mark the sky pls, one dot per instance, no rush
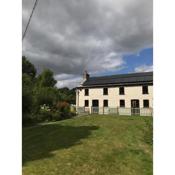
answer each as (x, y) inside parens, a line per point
(104, 37)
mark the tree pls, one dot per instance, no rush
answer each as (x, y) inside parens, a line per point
(39, 92)
(27, 96)
(28, 80)
(47, 96)
(45, 92)
(67, 95)
(46, 79)
(28, 68)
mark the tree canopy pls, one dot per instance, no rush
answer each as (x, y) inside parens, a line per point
(28, 68)
(40, 96)
(46, 79)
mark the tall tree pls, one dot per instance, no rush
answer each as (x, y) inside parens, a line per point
(26, 93)
(28, 68)
(67, 95)
(46, 95)
(46, 79)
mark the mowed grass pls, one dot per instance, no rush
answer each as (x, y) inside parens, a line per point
(91, 145)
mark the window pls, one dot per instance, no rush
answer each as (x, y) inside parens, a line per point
(146, 103)
(122, 103)
(105, 91)
(145, 89)
(86, 103)
(105, 103)
(121, 90)
(86, 92)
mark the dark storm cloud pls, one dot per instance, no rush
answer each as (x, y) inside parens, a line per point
(69, 36)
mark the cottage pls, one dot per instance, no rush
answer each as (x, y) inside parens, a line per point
(122, 94)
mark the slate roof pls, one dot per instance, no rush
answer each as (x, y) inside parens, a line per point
(121, 79)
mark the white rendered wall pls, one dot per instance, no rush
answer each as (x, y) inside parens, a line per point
(113, 97)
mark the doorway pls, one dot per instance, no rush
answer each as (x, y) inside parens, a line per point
(95, 106)
(135, 107)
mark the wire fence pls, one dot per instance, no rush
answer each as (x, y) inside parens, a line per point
(116, 110)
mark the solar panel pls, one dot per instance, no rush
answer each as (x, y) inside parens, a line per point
(120, 78)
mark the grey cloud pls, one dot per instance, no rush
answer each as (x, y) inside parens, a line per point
(67, 80)
(69, 36)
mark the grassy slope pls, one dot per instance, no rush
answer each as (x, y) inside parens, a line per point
(100, 145)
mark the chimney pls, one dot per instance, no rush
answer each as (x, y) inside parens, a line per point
(85, 76)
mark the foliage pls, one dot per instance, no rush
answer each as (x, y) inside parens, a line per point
(67, 95)
(64, 109)
(40, 97)
(45, 107)
(63, 106)
(56, 115)
(27, 96)
(46, 79)
(46, 114)
(28, 68)
(45, 95)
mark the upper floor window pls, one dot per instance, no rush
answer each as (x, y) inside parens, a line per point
(86, 92)
(144, 89)
(86, 103)
(105, 103)
(146, 103)
(122, 103)
(121, 90)
(105, 91)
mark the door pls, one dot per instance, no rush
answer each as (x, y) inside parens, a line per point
(95, 106)
(135, 107)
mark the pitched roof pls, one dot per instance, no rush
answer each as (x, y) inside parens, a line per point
(120, 79)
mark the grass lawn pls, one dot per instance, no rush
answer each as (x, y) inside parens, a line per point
(99, 145)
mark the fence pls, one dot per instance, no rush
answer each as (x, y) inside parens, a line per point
(117, 110)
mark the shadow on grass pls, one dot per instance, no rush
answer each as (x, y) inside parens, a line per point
(39, 142)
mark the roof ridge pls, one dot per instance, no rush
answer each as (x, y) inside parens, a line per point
(141, 77)
(127, 74)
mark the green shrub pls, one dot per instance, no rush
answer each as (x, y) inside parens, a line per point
(44, 116)
(29, 119)
(73, 114)
(63, 107)
(56, 116)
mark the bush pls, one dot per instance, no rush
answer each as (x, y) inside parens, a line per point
(45, 95)
(63, 107)
(44, 116)
(25, 119)
(27, 94)
(73, 114)
(29, 119)
(56, 116)
(46, 113)
(40, 96)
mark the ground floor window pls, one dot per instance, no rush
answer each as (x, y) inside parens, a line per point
(86, 103)
(105, 103)
(146, 103)
(95, 103)
(122, 103)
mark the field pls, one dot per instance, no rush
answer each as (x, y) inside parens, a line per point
(91, 145)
